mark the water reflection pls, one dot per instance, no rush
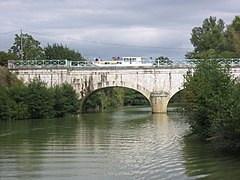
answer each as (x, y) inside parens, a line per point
(130, 143)
(25, 144)
(203, 162)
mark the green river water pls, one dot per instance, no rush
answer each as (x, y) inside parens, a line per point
(128, 143)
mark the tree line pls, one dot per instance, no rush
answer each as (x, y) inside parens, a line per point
(25, 47)
(113, 98)
(35, 100)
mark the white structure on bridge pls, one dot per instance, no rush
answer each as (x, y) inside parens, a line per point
(157, 84)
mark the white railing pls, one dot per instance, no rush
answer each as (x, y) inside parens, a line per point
(18, 64)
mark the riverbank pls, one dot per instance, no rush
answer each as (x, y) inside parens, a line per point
(34, 100)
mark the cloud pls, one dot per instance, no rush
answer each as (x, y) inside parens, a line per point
(94, 26)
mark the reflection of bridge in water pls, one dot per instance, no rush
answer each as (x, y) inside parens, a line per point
(158, 83)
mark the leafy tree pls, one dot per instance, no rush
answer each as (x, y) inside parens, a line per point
(211, 101)
(4, 57)
(57, 51)
(5, 104)
(108, 98)
(104, 99)
(225, 128)
(162, 60)
(118, 95)
(101, 99)
(39, 99)
(30, 49)
(6, 78)
(12, 93)
(132, 98)
(232, 39)
(209, 37)
(212, 40)
(18, 93)
(205, 91)
(35, 100)
(236, 23)
(113, 97)
(66, 100)
(93, 102)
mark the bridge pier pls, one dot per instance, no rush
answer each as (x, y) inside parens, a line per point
(159, 102)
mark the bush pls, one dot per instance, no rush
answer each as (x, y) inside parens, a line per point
(211, 102)
(39, 100)
(65, 100)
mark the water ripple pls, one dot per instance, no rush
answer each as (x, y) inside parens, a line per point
(110, 145)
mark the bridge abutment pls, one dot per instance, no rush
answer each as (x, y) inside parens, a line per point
(159, 101)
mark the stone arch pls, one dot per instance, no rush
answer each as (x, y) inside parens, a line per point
(146, 93)
(173, 94)
(175, 91)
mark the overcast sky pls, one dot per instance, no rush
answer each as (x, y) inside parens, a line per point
(106, 28)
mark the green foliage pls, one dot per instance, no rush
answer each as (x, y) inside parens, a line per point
(18, 92)
(5, 104)
(176, 99)
(57, 51)
(202, 93)
(30, 49)
(236, 24)
(12, 104)
(26, 47)
(212, 40)
(161, 60)
(104, 99)
(58, 101)
(39, 99)
(45, 102)
(209, 36)
(132, 98)
(66, 100)
(232, 38)
(113, 98)
(36, 100)
(4, 57)
(225, 131)
(210, 97)
(211, 102)
(6, 78)
(93, 102)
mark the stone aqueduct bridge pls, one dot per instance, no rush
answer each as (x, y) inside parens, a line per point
(157, 84)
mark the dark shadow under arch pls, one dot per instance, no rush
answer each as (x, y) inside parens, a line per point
(174, 102)
(131, 97)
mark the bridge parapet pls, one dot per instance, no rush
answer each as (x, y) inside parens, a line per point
(19, 64)
(176, 63)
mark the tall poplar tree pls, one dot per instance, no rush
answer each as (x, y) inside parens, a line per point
(26, 47)
(213, 40)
